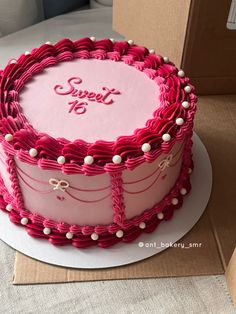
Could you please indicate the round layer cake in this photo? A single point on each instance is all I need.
(95, 141)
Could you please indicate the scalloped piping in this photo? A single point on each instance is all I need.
(152, 65)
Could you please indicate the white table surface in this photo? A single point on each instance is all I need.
(206, 294)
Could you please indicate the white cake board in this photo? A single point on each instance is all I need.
(121, 254)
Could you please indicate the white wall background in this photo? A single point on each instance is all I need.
(18, 14)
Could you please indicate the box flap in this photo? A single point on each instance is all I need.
(209, 49)
(193, 33)
(148, 22)
(215, 124)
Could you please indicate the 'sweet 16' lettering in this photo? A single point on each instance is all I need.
(78, 106)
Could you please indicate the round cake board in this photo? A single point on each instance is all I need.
(167, 233)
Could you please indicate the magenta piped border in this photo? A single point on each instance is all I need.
(172, 94)
(117, 198)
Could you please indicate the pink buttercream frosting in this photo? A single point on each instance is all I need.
(110, 111)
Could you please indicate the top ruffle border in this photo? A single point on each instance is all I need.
(177, 100)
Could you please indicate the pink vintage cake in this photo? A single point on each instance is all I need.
(95, 141)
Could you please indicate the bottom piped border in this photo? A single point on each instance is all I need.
(80, 240)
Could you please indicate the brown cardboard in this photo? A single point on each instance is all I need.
(177, 262)
(231, 277)
(172, 262)
(215, 123)
(192, 33)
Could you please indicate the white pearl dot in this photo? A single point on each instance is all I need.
(48, 43)
(112, 40)
(181, 73)
(142, 225)
(190, 171)
(119, 233)
(61, 160)
(160, 216)
(88, 160)
(24, 221)
(8, 137)
(174, 201)
(166, 137)
(185, 104)
(130, 42)
(93, 38)
(13, 61)
(94, 236)
(69, 235)
(183, 191)
(117, 159)
(33, 152)
(151, 51)
(46, 231)
(179, 121)
(146, 147)
(9, 207)
(166, 59)
(27, 53)
(187, 89)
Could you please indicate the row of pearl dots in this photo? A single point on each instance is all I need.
(89, 160)
(116, 159)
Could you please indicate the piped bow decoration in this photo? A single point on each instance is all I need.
(61, 185)
(165, 163)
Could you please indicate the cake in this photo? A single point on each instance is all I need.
(96, 139)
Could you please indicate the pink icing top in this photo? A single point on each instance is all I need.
(130, 98)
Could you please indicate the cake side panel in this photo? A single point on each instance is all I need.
(127, 229)
(96, 200)
(149, 183)
(73, 199)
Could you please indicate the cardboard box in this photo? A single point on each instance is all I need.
(215, 124)
(192, 33)
(201, 260)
